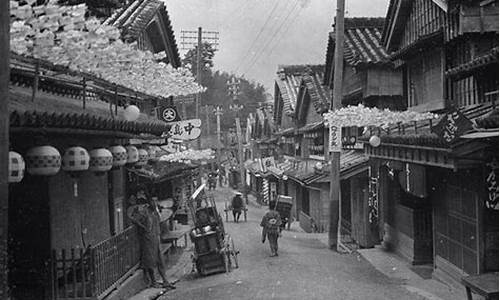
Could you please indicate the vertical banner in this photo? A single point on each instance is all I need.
(334, 139)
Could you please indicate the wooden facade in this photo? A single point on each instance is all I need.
(434, 204)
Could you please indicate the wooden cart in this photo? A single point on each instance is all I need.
(214, 250)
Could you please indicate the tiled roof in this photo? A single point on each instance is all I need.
(58, 112)
(362, 44)
(288, 81)
(313, 83)
(132, 19)
(478, 62)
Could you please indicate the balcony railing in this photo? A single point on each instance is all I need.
(95, 272)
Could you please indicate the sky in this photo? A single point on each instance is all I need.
(255, 36)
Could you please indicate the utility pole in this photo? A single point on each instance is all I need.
(234, 86)
(212, 38)
(4, 147)
(218, 113)
(207, 116)
(198, 79)
(335, 203)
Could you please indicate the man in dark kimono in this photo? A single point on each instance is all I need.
(271, 228)
(148, 221)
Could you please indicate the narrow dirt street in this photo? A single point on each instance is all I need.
(305, 269)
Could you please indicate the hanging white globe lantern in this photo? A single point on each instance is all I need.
(16, 167)
(119, 155)
(101, 160)
(132, 154)
(43, 160)
(143, 158)
(374, 141)
(131, 113)
(75, 159)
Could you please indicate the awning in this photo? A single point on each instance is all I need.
(481, 134)
(352, 162)
(312, 126)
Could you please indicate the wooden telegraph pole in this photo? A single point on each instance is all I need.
(335, 203)
(218, 113)
(198, 79)
(4, 147)
(187, 37)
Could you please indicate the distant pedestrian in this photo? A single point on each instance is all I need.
(271, 228)
(237, 206)
(148, 221)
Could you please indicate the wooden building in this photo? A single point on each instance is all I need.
(79, 217)
(435, 199)
(369, 76)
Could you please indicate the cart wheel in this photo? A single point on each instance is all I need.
(235, 254)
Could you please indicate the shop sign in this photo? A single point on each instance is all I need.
(373, 200)
(335, 138)
(169, 114)
(452, 126)
(186, 130)
(492, 186)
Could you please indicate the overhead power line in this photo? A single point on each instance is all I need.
(260, 32)
(257, 56)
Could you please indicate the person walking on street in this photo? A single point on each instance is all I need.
(271, 228)
(148, 221)
(237, 206)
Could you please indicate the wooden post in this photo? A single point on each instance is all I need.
(335, 203)
(4, 147)
(198, 79)
(240, 154)
(36, 78)
(114, 100)
(218, 113)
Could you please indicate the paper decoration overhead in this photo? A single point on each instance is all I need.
(63, 36)
(189, 155)
(362, 116)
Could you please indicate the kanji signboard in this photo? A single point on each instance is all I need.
(452, 126)
(186, 130)
(335, 138)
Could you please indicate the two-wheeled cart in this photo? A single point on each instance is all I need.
(214, 249)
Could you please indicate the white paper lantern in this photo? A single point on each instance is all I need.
(16, 167)
(75, 159)
(143, 157)
(374, 141)
(131, 113)
(101, 160)
(43, 160)
(132, 154)
(119, 155)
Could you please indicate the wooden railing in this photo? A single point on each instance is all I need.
(96, 271)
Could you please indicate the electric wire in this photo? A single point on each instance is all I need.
(257, 56)
(260, 32)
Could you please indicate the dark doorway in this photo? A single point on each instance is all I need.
(29, 238)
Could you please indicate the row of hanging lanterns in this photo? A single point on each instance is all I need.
(46, 160)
